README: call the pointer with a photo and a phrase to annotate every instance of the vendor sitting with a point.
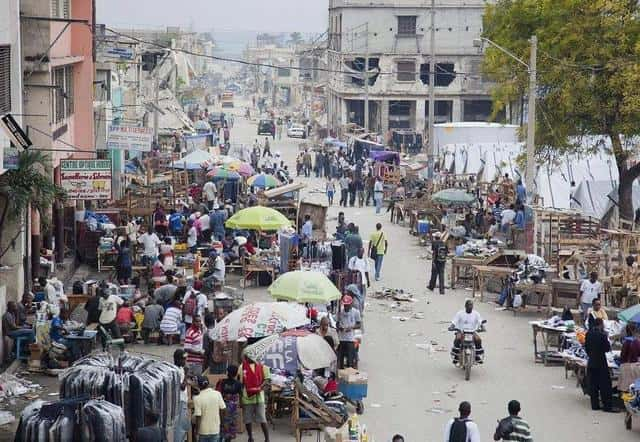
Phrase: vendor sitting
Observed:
(12, 327)
(125, 319)
(215, 270)
(596, 311)
(57, 332)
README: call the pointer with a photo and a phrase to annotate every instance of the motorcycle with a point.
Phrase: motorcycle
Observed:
(467, 355)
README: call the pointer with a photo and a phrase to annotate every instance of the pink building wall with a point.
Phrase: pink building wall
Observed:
(76, 45)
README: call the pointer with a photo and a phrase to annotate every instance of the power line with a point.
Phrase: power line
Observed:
(250, 63)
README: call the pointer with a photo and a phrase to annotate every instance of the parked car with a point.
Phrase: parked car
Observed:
(267, 127)
(296, 131)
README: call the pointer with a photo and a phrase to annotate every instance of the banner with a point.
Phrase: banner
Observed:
(86, 179)
(130, 138)
(282, 354)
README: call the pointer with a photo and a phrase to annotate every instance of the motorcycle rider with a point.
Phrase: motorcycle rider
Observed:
(467, 320)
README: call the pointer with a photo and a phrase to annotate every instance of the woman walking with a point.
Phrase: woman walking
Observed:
(230, 388)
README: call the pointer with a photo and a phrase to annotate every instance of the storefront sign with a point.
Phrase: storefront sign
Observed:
(130, 138)
(86, 179)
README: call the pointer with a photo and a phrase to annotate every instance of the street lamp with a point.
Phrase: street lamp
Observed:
(531, 120)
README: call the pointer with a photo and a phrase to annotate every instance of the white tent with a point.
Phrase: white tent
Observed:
(487, 159)
(194, 161)
(474, 132)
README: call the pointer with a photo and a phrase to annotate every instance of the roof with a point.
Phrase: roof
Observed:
(272, 193)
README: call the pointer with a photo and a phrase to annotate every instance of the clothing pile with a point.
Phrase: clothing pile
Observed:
(142, 387)
(532, 268)
(476, 248)
(99, 421)
(97, 221)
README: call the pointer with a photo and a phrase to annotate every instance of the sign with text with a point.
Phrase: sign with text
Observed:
(130, 138)
(86, 179)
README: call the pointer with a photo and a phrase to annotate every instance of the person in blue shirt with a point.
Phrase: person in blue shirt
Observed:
(57, 330)
(519, 219)
(175, 223)
(216, 220)
(521, 193)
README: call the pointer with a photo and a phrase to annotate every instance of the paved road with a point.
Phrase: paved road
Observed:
(408, 386)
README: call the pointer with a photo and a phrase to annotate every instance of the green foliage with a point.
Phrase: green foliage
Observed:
(587, 56)
(588, 71)
(29, 184)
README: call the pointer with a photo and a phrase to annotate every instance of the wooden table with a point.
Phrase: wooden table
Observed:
(102, 256)
(539, 290)
(481, 273)
(550, 337)
(462, 262)
(252, 269)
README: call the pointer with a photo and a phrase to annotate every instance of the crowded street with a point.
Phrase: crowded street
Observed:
(341, 221)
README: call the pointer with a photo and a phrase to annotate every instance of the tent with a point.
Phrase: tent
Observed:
(385, 155)
(194, 161)
(598, 198)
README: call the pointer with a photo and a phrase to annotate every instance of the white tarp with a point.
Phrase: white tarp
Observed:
(474, 132)
(598, 198)
(489, 159)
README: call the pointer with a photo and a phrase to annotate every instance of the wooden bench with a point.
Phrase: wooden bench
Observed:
(320, 415)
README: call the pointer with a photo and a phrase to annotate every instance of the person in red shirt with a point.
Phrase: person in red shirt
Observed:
(125, 318)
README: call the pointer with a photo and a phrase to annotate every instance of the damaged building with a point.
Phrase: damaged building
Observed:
(388, 42)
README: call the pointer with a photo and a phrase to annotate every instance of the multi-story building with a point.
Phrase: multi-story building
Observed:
(58, 68)
(395, 37)
(14, 232)
(275, 83)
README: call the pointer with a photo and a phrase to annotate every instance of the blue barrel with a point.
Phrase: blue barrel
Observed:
(423, 227)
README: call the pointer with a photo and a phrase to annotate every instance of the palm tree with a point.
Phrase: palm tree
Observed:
(28, 185)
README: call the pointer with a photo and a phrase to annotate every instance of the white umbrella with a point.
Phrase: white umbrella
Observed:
(292, 348)
(259, 320)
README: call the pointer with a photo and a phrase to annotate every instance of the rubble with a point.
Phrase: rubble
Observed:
(11, 386)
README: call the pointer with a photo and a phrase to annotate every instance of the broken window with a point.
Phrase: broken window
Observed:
(444, 75)
(477, 110)
(407, 25)
(357, 64)
(406, 71)
(442, 112)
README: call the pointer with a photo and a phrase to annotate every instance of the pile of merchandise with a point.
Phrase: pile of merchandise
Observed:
(71, 420)
(142, 387)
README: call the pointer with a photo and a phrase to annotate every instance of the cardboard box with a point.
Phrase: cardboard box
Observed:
(352, 376)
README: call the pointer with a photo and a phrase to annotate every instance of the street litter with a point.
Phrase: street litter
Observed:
(6, 417)
(376, 405)
(557, 387)
(11, 385)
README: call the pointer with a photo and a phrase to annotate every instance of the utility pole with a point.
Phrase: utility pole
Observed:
(366, 78)
(531, 120)
(432, 90)
(156, 115)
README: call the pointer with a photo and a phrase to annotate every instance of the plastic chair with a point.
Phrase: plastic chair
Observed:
(22, 344)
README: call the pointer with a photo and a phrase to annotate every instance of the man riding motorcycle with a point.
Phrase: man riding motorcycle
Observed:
(467, 320)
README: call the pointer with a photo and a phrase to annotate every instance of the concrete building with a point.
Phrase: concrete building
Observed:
(14, 233)
(395, 35)
(58, 67)
(277, 84)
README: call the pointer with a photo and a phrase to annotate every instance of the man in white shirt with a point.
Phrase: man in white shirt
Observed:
(462, 429)
(195, 304)
(150, 242)
(205, 227)
(210, 193)
(50, 291)
(192, 237)
(378, 194)
(590, 289)
(108, 309)
(508, 216)
(306, 233)
(360, 263)
(467, 320)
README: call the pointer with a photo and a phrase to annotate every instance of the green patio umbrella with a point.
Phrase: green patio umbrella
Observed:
(304, 286)
(453, 197)
(258, 218)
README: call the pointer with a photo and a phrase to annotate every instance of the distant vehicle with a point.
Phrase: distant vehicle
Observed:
(227, 99)
(267, 127)
(296, 131)
(234, 87)
(216, 119)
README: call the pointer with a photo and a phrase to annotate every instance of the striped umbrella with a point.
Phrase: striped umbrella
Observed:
(222, 173)
(263, 181)
(242, 168)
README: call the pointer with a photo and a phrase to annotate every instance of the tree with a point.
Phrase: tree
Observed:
(588, 76)
(29, 185)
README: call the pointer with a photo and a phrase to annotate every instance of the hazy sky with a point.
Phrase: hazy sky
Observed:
(219, 15)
